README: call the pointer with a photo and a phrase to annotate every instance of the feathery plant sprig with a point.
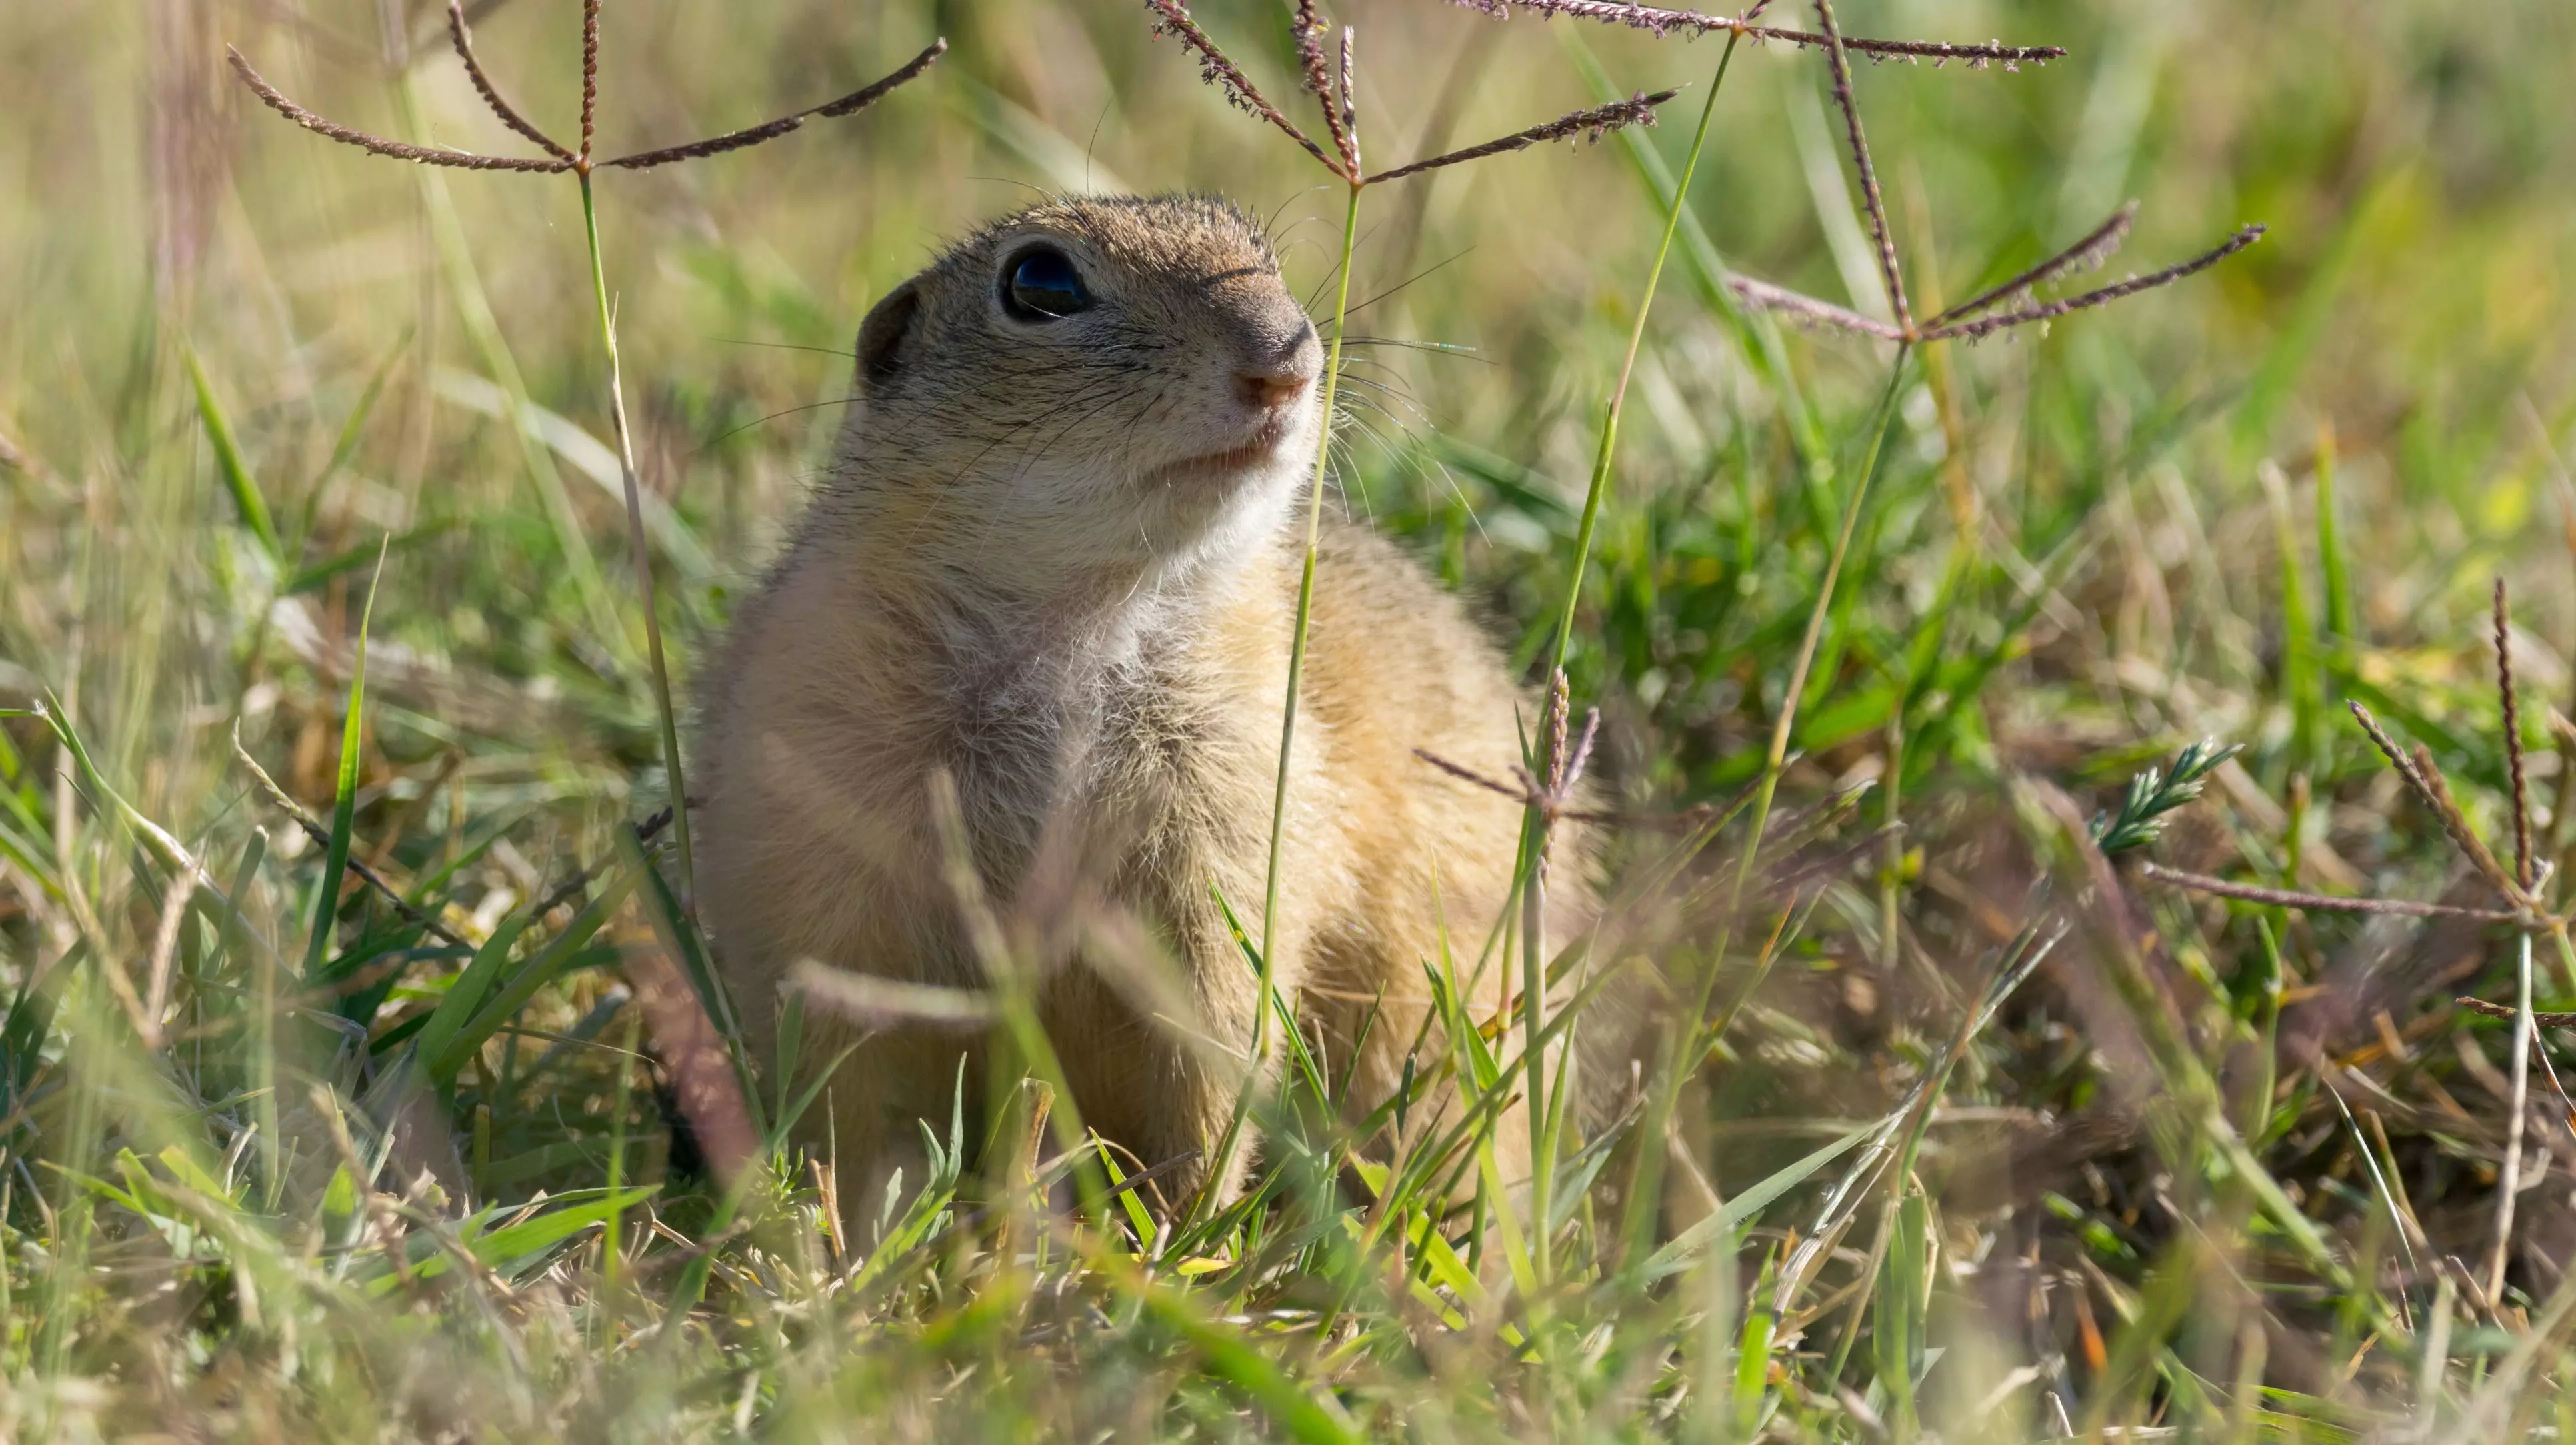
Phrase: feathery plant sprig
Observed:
(2152, 794)
(581, 162)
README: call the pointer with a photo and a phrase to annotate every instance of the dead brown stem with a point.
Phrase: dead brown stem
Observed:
(2320, 902)
(2484, 1009)
(2456, 823)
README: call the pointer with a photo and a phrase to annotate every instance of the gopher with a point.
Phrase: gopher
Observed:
(1056, 558)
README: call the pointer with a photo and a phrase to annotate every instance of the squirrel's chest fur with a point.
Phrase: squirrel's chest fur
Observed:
(1130, 753)
(1124, 758)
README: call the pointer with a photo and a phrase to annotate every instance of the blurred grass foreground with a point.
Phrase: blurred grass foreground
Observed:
(2057, 1075)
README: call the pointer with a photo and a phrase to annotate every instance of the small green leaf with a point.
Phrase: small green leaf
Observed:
(439, 1034)
(344, 805)
(228, 460)
(1744, 1208)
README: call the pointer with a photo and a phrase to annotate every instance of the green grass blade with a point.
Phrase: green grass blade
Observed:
(344, 802)
(438, 1036)
(1301, 1413)
(1744, 1208)
(354, 428)
(2343, 620)
(550, 962)
(228, 461)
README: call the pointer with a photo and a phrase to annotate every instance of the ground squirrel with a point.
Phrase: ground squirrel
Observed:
(1057, 557)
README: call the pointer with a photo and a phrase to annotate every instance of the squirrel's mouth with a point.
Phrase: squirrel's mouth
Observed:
(1264, 445)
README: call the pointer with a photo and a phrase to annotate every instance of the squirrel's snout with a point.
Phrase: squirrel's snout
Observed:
(1269, 391)
(1278, 380)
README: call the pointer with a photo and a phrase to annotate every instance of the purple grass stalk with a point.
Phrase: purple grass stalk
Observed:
(2522, 871)
(589, 75)
(1173, 19)
(1840, 65)
(1986, 326)
(856, 100)
(1763, 296)
(1591, 124)
(1659, 22)
(2097, 246)
(509, 115)
(2540, 1018)
(378, 145)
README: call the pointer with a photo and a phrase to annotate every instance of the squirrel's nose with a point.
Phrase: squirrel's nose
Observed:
(1270, 390)
(1281, 378)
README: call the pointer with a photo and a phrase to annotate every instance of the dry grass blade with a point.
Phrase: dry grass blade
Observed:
(509, 115)
(1763, 296)
(1527, 793)
(868, 999)
(1986, 326)
(571, 888)
(2396, 756)
(315, 830)
(2456, 823)
(1659, 22)
(2319, 902)
(1590, 124)
(1216, 68)
(1870, 195)
(2434, 793)
(2096, 247)
(856, 100)
(2522, 869)
(375, 144)
(2539, 1019)
(16, 458)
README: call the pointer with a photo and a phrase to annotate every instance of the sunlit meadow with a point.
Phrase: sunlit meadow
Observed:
(2029, 1068)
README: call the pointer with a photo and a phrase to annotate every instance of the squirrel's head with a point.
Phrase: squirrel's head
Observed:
(1111, 385)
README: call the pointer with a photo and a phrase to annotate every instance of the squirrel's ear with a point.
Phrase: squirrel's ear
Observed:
(881, 334)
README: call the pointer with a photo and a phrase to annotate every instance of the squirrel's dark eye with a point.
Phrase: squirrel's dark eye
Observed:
(1044, 286)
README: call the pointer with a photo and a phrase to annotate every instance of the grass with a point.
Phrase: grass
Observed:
(1995, 1121)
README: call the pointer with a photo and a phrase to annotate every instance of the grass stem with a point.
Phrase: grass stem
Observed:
(1221, 1167)
(1534, 922)
(669, 716)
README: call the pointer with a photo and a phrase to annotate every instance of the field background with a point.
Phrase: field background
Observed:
(2220, 510)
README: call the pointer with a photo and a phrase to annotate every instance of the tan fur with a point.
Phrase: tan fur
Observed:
(1005, 578)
